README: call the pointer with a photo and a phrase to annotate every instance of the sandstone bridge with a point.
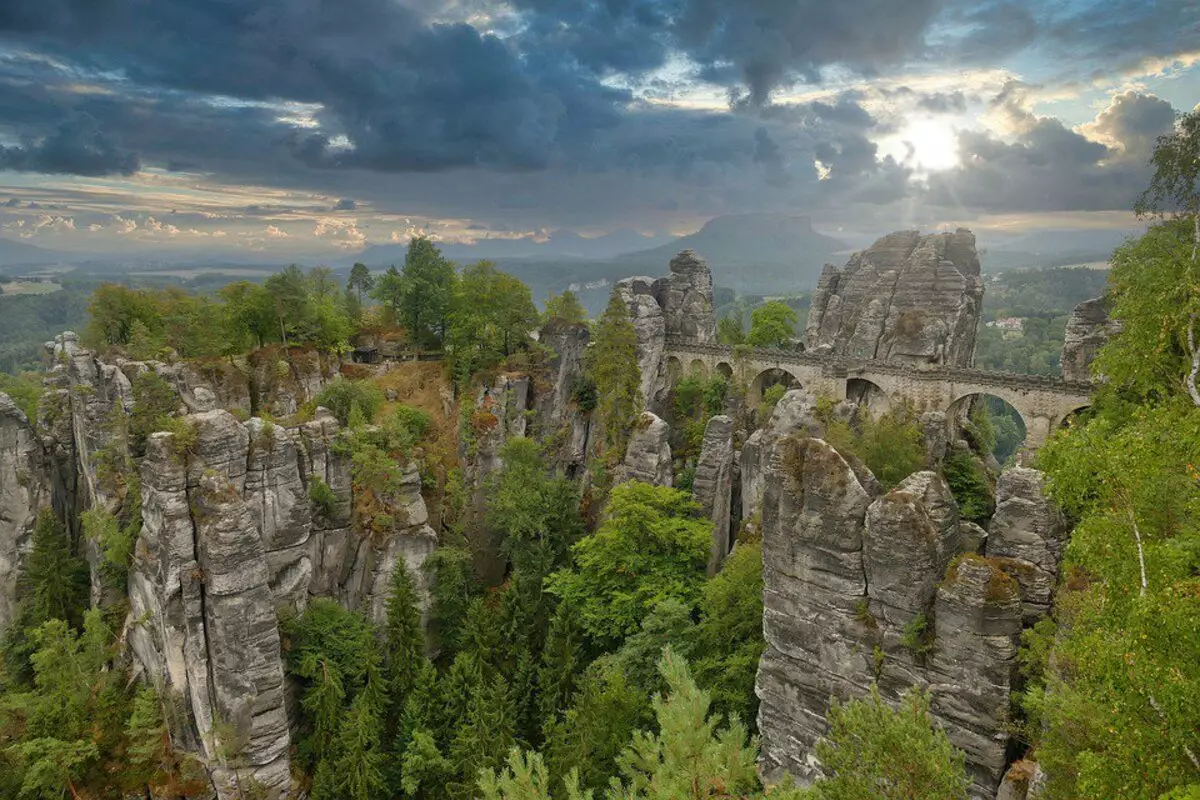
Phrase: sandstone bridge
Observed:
(1044, 403)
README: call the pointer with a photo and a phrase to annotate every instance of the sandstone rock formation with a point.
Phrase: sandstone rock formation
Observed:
(231, 538)
(1028, 529)
(712, 486)
(558, 416)
(680, 304)
(908, 298)
(814, 583)
(911, 535)
(499, 415)
(651, 327)
(686, 298)
(973, 664)
(1088, 329)
(24, 491)
(863, 588)
(648, 454)
(794, 412)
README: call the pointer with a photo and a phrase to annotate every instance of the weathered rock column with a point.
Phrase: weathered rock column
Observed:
(712, 486)
(24, 492)
(648, 454)
(1030, 532)
(1088, 329)
(978, 624)
(817, 645)
(686, 298)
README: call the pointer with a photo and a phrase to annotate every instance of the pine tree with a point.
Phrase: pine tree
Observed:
(56, 579)
(403, 642)
(424, 768)
(54, 586)
(688, 757)
(523, 690)
(422, 707)
(151, 760)
(484, 738)
(463, 682)
(323, 704)
(559, 666)
(481, 635)
(358, 751)
(873, 750)
(589, 736)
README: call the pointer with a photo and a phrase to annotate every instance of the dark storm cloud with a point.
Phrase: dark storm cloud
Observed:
(944, 102)
(992, 30)
(399, 104)
(1052, 168)
(759, 43)
(76, 147)
(409, 96)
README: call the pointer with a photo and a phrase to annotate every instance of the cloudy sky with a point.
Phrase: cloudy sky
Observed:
(317, 127)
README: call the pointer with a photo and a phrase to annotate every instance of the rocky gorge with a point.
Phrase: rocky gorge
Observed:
(244, 520)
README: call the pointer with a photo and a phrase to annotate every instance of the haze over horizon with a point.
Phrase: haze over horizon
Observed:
(317, 129)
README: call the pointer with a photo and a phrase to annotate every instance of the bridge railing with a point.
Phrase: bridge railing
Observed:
(842, 366)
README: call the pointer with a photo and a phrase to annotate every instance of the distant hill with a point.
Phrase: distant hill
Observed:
(1053, 248)
(13, 253)
(752, 253)
(559, 244)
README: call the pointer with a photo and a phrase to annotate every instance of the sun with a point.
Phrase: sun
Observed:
(927, 144)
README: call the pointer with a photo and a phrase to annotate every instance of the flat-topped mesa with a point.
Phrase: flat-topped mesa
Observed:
(909, 298)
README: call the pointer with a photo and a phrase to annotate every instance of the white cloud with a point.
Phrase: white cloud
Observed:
(154, 226)
(341, 233)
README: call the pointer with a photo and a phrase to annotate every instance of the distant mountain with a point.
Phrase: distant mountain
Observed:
(1053, 248)
(559, 244)
(13, 253)
(752, 253)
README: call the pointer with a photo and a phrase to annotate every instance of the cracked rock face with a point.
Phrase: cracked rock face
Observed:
(1088, 329)
(911, 535)
(686, 298)
(648, 455)
(909, 298)
(794, 411)
(814, 579)
(650, 324)
(558, 415)
(1028, 529)
(712, 487)
(680, 304)
(231, 537)
(200, 583)
(24, 492)
(861, 589)
(973, 664)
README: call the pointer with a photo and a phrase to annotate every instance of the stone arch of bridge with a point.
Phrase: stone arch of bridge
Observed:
(698, 369)
(674, 370)
(765, 379)
(724, 369)
(1029, 425)
(868, 395)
